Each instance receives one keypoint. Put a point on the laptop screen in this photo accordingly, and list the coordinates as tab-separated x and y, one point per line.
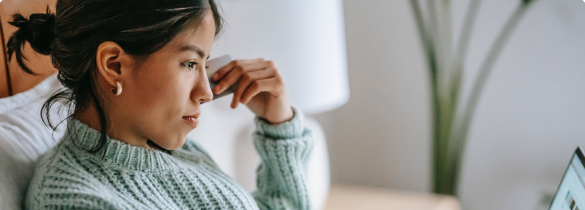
571	192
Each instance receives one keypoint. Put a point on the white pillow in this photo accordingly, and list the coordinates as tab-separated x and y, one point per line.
23	138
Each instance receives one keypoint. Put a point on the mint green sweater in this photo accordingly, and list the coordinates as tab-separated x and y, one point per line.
121	176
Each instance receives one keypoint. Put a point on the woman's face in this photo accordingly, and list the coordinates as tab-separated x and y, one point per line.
162	94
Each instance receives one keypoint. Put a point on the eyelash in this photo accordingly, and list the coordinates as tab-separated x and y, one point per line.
187	65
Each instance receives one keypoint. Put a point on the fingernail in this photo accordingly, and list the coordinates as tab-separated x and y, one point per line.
217	88
214	77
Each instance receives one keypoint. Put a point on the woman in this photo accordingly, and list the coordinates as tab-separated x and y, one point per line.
135	72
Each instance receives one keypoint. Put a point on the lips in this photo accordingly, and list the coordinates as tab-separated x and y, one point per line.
192	120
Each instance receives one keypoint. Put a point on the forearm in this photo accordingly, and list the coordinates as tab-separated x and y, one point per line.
281	177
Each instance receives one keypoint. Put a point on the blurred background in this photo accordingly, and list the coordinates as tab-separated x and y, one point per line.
529	120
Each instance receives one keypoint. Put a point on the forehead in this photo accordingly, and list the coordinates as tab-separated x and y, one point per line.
201	35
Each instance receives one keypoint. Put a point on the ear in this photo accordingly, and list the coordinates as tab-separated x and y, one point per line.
112	62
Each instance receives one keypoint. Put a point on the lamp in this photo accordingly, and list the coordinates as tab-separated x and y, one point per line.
304	38
306	41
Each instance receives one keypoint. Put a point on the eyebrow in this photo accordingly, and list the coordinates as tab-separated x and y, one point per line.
194	49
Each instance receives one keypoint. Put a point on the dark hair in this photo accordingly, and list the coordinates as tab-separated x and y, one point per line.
72	35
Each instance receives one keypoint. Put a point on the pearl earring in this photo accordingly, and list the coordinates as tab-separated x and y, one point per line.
118	91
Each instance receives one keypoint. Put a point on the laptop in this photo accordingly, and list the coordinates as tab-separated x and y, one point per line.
571	192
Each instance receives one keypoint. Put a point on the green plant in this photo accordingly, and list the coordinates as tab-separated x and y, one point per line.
451	113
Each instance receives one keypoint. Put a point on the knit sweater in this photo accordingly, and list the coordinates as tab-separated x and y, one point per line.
121	176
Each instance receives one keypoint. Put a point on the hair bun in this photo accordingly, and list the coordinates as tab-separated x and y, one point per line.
38	31
41	33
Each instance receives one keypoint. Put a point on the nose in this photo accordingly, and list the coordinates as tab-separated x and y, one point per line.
202	91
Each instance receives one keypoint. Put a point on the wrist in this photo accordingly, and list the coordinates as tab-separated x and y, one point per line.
286	117
285	130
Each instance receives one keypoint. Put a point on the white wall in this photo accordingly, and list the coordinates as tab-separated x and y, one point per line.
530	118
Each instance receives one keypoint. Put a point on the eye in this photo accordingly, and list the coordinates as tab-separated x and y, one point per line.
190	65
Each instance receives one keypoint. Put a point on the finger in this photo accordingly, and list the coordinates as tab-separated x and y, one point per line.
223	71
229	79
271	85
234	75
247	80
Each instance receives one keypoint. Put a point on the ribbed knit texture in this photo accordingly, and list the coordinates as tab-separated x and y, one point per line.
121	176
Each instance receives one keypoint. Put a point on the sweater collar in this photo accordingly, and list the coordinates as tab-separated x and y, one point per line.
115	153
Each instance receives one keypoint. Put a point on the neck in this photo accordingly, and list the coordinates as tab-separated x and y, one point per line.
89	116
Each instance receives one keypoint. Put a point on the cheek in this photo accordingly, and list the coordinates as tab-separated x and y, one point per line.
159	91
157	98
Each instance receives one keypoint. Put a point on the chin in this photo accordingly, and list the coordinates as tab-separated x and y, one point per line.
175	144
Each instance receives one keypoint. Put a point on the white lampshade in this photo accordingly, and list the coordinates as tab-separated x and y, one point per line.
305	39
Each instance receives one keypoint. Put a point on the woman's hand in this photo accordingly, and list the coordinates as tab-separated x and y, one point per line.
260	87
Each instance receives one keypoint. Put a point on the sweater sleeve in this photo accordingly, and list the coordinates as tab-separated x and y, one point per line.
284	150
